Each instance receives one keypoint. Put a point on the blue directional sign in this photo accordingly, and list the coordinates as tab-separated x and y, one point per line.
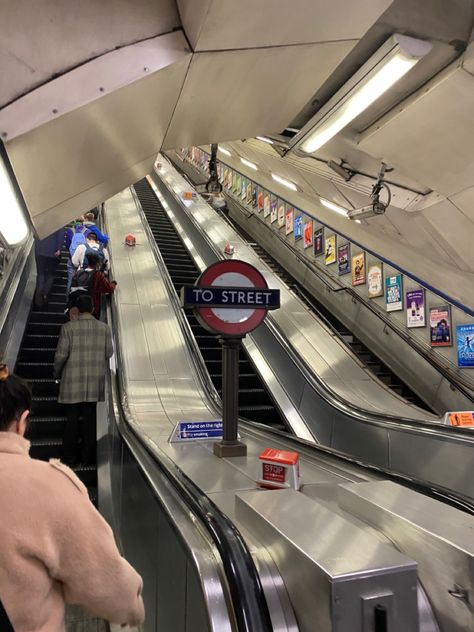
200	429
215	296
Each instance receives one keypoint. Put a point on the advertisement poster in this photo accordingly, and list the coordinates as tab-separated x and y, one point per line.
249	193
375	280
266	206
343	260
298	227
238	182
281	215
330	254
440	326
274	211
393	293
289	221
254	196
465	343
358	269
318	240
260	201
415	305
243	189
308	233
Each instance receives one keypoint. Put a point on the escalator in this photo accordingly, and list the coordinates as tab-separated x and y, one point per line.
255	402
35	364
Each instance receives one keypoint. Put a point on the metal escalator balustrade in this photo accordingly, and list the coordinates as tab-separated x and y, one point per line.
35	364
255	403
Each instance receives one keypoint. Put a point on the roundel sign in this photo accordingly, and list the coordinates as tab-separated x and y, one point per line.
230	298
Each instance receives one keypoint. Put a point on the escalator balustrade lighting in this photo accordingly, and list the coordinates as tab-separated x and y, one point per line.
226	152
387	66
13	226
247	163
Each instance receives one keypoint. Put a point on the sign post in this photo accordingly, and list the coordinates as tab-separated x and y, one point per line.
230	299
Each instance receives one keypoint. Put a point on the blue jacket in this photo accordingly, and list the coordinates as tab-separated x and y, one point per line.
49	245
103	239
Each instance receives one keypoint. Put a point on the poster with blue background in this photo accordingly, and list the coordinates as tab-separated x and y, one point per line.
465	345
298	230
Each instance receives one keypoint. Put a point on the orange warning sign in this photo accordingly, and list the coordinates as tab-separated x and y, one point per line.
187	195
461	419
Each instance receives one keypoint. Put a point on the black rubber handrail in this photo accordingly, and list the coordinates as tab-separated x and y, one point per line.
251	608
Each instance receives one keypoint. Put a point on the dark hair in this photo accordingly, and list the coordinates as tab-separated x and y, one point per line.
15	398
93	260
92	236
84	304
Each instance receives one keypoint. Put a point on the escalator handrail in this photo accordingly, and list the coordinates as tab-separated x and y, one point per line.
326	392
334	285
242	576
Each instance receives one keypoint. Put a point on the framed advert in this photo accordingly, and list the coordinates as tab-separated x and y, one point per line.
318	240
266	205
249	193
330	254
260	200
281	214
254	196
343	259
298	229
308	233
465	345
415	308
393	293
375	280
440	326
273	211
358	268
289	221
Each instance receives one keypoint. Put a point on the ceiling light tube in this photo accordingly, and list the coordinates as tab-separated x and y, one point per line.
389	64
224	151
264	139
246	162
285	183
333	207
13	226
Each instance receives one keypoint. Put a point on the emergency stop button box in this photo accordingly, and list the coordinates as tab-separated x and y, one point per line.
279	469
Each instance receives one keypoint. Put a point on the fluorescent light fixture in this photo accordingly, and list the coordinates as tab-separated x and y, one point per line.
265	139
246	162
285	183
333	207
224	151
389	64
13	226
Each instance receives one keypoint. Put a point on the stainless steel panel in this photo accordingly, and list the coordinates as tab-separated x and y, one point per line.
329	565
437	536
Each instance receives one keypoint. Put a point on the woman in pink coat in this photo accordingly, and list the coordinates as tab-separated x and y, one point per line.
55	548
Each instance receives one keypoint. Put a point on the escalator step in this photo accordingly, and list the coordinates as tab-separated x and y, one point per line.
28	354
39	341
30	370
45	449
44	387
46	428
45	405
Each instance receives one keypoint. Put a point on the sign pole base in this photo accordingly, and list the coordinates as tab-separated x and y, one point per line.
230	448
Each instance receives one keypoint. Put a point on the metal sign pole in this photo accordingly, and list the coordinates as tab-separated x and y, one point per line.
230	445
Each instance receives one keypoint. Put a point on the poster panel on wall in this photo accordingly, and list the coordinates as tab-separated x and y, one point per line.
465	345
266	205
375	280
440	326
243	189
281	214
343	259
393	293
260	200
289	221
318	240
330	254
254	196
298	230
238	181
415	306
358	268
249	193
308	233
274	210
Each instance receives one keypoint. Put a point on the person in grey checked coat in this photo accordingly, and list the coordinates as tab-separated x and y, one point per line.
83	349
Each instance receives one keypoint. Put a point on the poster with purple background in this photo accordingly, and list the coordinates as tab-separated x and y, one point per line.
415	306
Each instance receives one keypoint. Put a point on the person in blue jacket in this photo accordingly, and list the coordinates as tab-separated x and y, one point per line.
47	255
89	223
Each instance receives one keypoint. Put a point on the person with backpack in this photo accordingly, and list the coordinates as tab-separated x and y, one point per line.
91	246
75	236
91	282
89	223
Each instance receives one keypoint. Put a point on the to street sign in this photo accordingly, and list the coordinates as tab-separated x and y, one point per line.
230	298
